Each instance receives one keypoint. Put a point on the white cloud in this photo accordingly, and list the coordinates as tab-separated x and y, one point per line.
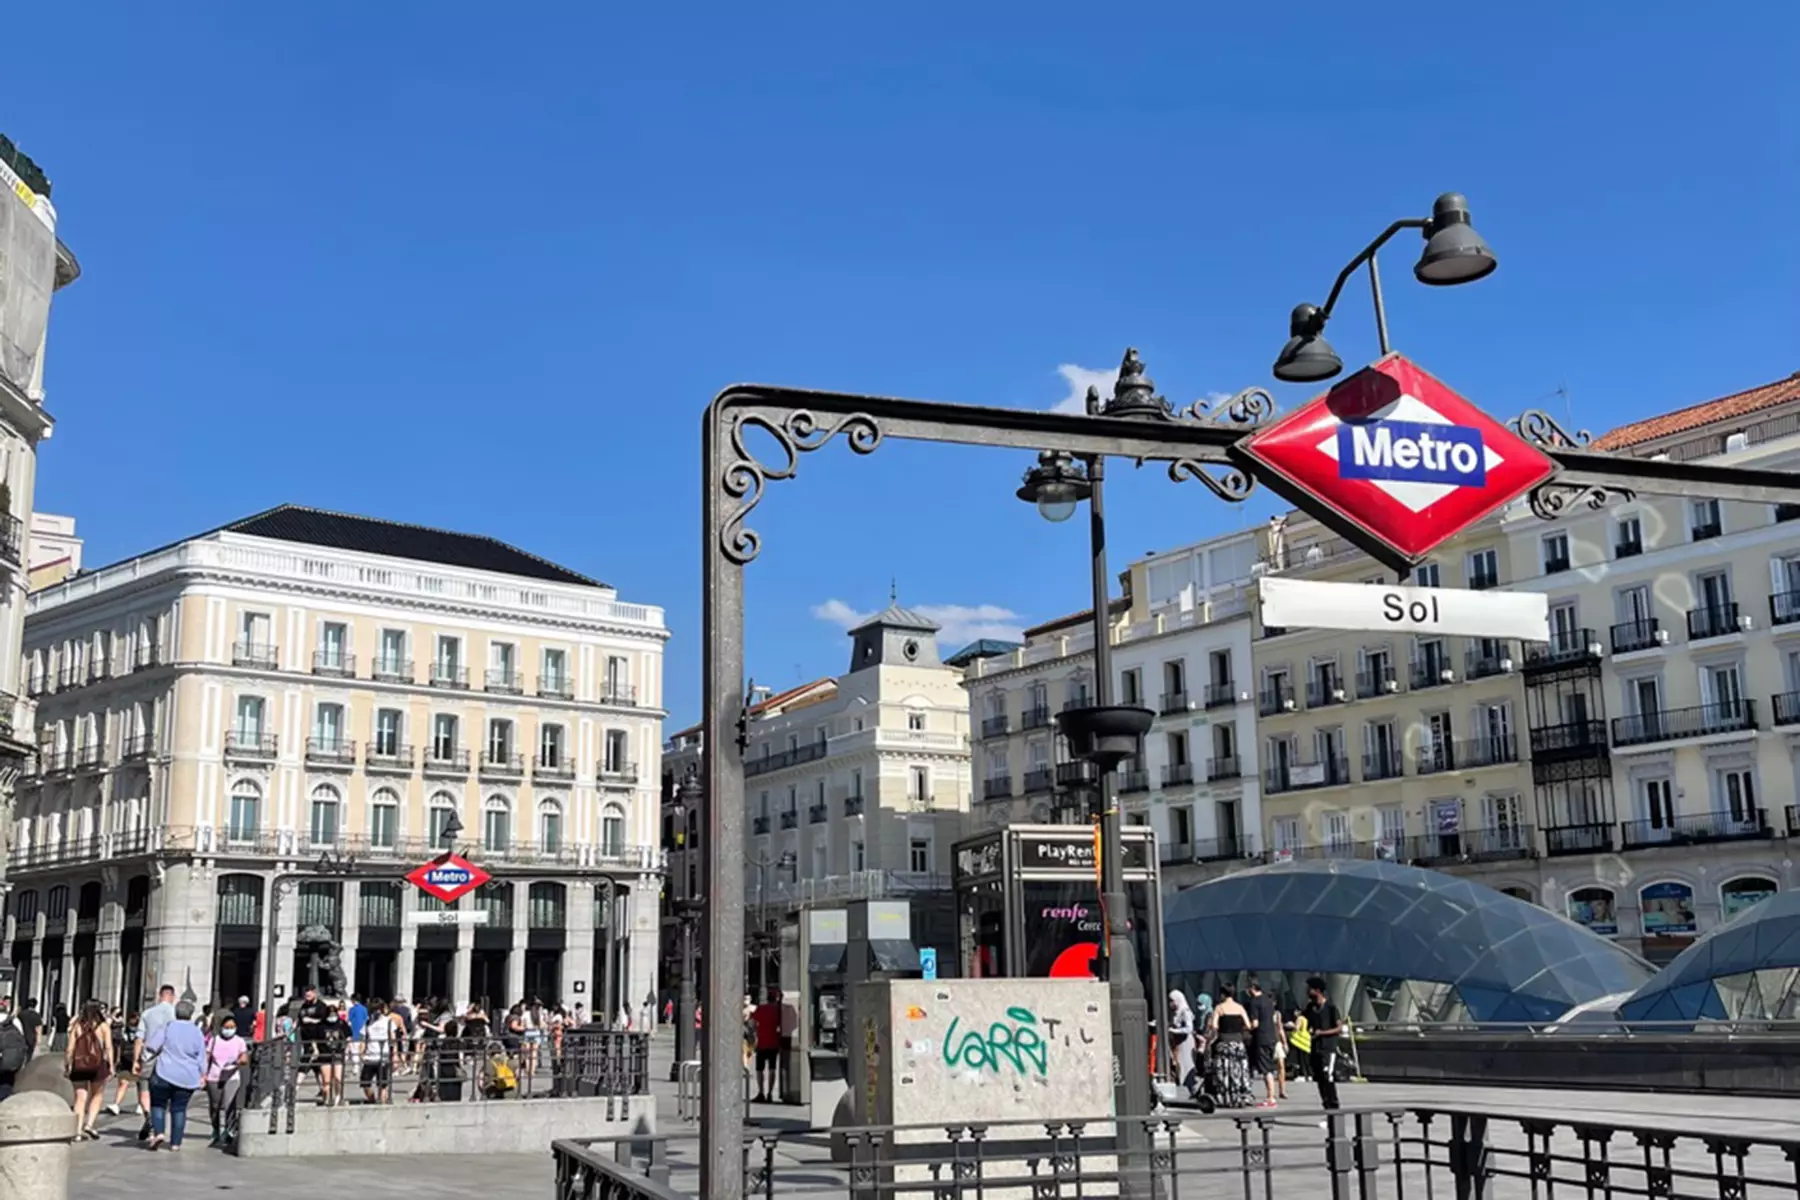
1080	379
961	623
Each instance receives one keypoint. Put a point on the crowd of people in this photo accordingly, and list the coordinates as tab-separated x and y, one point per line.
1220	1047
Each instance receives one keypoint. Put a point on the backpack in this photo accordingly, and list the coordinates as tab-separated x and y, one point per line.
87	1054
14	1049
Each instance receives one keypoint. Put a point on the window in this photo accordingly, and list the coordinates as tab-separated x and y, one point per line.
614	762
550	746
612	831
1735	793
550	827
250	718
443	736
1505	820
1390	824
1131	687
503	659
915	720
858	862
326	810
389	722
618	672
254	636
1628	537
555	681
919	785
1427	575
246	813
1787	512
1484	569
446	667
393	653
1181	825
384	819
1287	835
1337	829
442	810
334	646
1704	520
328	726
1657	798
918	855
496	825
1556	552
500	740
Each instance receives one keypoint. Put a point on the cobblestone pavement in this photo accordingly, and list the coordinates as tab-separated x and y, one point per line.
116	1168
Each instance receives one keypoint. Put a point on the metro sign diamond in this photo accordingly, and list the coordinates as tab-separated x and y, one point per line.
1399	458
449	877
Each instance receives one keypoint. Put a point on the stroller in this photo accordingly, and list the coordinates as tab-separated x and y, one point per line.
1202	1084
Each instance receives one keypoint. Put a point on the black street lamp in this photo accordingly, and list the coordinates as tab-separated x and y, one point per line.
1454	253
787	861
450	832
1106	735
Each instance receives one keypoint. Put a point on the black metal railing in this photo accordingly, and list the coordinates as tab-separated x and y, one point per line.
388	756
139	747
621	772
552	766
759	824
1376	681
1432	672
12	538
1556	565
1630	548
1472	845
1481	662
147	657
1643	634
1225	766
778	760
818	814
1746	823
1465	754
790	818
334	662
995	726
1587	837
330	752
556	687
1039	779
1177	775
614	692
1035	718
502	764
1219	695
1784	608
1074	774
260	655
505	681
1134	781
1225	849
447	675
446	760
392	670
1299	776
1786	706
853	806
1383	764
1569	738
1324	691
1706	530
241	743
996	785
1714	620
1173	702
1566	646
1275	699
1668	724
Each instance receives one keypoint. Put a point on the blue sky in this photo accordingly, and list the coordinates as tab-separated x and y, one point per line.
483	268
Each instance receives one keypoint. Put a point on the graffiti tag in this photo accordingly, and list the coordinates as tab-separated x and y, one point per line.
1017	1043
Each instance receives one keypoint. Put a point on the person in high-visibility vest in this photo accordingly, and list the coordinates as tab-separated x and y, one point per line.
1300	1038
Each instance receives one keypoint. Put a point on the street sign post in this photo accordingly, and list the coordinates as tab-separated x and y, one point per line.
1395	461
448	916
448	877
928	962
1299	603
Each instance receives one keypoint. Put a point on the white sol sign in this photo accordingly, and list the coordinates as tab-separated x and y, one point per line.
1296	603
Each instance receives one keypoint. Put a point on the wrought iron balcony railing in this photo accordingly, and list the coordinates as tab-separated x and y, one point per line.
1376	681
334	663
502	764
1746	823
1173	702
1178	775
449	675
1035	718
1565	648
260	655
446	760
556	687
1571	738
818	814
1787	708
1039	779
1643	634
1221	695
995	726
616	772
250	743
1323	692
1589	837
506	682
552	766
1275	700
1300	776
1671	724
392	670
1074	774
1432	672
1784	608
1226	766
388	756
1472	845
1134	781
614	692
1383	764
1715	620
330	752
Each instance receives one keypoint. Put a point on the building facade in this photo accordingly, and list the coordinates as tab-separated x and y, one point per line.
1637	772
855	787
309	701
55	550
33	266
1181	647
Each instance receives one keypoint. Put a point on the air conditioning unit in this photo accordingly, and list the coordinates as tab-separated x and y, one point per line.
1506	665
1662	637
1287	705
1393	685
1746	622
1596	649
1447	675
1243	697
1337	694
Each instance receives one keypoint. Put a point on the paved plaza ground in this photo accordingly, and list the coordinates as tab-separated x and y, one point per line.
116	1168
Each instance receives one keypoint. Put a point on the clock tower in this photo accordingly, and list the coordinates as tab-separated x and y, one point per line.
894	637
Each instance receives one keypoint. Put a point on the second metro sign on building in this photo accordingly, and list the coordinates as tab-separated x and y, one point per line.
1396	460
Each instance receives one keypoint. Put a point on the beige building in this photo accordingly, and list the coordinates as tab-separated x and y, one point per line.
855	787
217	715
1638	771
33	266
55	550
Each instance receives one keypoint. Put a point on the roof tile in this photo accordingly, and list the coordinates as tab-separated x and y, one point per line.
1725	408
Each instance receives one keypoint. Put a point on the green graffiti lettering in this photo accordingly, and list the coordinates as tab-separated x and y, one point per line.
1018	1044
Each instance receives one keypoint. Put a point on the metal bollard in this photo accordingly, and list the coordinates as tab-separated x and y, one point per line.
35	1133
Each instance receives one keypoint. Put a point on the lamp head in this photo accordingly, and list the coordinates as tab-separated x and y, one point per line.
1056	485
1307	357
1454	253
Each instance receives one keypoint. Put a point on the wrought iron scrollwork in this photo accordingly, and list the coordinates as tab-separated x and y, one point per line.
1552	500
1232	484
1542	430
745	475
1248	409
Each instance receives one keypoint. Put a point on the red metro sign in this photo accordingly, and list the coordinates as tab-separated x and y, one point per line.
449	878
1397	458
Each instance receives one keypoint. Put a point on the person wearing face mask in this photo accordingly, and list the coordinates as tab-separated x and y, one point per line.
226	1055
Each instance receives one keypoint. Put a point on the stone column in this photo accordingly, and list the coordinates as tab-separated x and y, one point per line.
35	1128
578	947
409	944
463	966
180	929
521	936
282	968
106	943
349	914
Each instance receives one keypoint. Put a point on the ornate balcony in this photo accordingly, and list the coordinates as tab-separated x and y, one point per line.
261	656
334	663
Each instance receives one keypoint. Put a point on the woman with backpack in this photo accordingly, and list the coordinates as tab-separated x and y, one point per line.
87	1061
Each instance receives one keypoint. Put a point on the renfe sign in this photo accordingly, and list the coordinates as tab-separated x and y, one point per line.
449	877
1398	457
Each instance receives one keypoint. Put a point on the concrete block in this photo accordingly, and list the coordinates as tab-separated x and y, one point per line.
492	1126
34	1146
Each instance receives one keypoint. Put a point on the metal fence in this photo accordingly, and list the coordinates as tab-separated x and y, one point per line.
1358	1154
287	1076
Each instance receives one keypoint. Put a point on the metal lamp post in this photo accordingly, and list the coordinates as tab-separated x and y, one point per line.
785	861
1454	253
688	908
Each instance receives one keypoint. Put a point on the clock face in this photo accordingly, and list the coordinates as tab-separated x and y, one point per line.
911	649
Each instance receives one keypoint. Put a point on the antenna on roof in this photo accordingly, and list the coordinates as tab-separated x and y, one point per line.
894	590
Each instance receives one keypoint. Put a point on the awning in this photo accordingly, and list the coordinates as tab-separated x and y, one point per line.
890	955
827	959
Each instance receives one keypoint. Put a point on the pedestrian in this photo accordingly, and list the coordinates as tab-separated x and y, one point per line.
1181	1038
403	1012
59	1026
176	1073
87	1061
226	1055
143	1059
312	1021
766	1029
245	1016
1325	1023
15	1050
1230	1027
123	1031
31	1022
1266	1036
382	1038
356	1016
